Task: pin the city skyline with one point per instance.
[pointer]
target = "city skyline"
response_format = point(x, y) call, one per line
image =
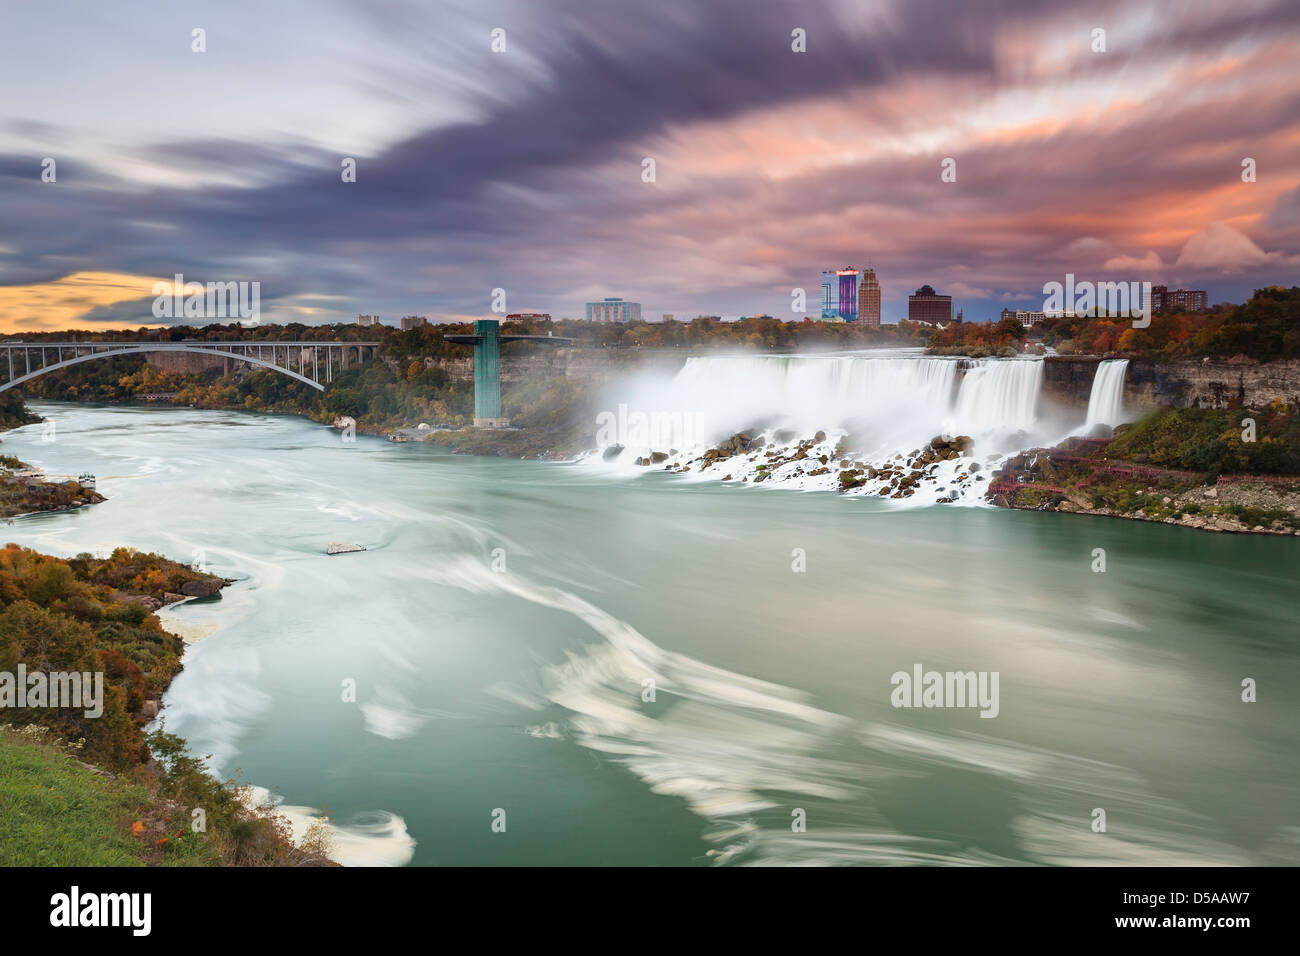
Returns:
point(525, 170)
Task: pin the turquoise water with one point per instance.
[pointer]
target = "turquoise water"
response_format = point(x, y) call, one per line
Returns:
point(509, 619)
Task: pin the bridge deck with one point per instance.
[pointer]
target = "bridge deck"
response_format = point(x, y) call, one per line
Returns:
point(298, 359)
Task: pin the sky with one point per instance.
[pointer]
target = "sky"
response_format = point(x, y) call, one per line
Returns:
point(503, 144)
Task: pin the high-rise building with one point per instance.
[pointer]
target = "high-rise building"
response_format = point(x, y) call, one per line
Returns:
point(840, 295)
point(413, 322)
point(613, 310)
point(929, 307)
point(1162, 300)
point(367, 320)
point(869, 299)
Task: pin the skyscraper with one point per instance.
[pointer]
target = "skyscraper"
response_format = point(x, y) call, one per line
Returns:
point(869, 299)
point(840, 295)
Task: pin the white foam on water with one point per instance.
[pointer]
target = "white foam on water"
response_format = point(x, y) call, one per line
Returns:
point(738, 751)
point(374, 838)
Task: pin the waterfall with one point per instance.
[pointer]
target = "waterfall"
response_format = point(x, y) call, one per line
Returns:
point(1106, 403)
point(885, 404)
point(999, 396)
point(885, 417)
point(885, 395)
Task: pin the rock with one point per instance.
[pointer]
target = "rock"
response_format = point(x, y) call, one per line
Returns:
point(345, 421)
point(204, 587)
point(612, 452)
point(658, 457)
point(149, 709)
point(643, 461)
point(170, 598)
point(819, 437)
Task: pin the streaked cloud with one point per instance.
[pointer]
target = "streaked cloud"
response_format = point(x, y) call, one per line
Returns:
point(521, 170)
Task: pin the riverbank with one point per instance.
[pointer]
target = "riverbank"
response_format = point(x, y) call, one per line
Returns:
point(84, 780)
point(1211, 470)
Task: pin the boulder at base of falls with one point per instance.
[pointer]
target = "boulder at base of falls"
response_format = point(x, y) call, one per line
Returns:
point(850, 479)
point(612, 452)
point(658, 457)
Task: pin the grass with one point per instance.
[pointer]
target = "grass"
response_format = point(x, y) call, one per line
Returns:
point(54, 812)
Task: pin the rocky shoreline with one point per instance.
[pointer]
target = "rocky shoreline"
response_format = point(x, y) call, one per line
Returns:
point(946, 466)
point(1076, 478)
point(22, 495)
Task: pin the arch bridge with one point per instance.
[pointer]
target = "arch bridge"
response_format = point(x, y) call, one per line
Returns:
point(312, 363)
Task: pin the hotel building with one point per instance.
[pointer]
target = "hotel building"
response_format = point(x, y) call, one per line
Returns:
point(613, 310)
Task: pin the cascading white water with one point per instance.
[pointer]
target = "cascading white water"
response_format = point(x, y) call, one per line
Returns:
point(999, 396)
point(885, 404)
point(1106, 403)
point(891, 399)
point(879, 419)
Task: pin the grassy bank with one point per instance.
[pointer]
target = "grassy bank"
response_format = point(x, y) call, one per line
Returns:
point(56, 812)
point(83, 783)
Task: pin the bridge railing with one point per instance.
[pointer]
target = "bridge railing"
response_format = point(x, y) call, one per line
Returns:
point(23, 361)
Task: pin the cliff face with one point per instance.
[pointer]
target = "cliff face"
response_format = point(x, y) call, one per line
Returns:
point(1205, 383)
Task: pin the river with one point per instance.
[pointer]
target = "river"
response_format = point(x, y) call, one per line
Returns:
point(560, 664)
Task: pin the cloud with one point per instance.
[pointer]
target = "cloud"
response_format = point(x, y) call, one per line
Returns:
point(522, 170)
point(1221, 248)
point(1146, 264)
point(65, 302)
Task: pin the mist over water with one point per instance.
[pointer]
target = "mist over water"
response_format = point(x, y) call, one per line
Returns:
point(525, 689)
point(873, 408)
